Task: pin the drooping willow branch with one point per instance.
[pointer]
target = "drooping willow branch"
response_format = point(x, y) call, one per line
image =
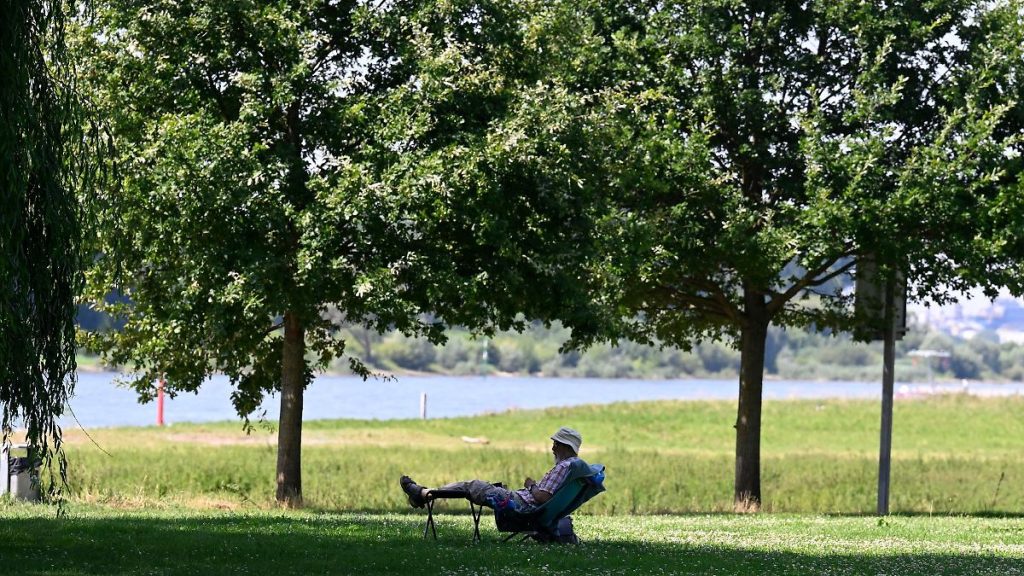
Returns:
point(46, 158)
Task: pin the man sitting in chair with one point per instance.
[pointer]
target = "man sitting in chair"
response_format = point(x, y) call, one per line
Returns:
point(565, 447)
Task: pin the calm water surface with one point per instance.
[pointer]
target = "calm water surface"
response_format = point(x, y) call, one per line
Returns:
point(99, 402)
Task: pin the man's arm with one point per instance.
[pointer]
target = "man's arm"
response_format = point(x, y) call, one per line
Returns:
point(541, 496)
point(550, 483)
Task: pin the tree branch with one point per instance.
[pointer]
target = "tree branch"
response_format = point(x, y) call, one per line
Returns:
point(717, 302)
point(273, 328)
point(701, 305)
point(810, 279)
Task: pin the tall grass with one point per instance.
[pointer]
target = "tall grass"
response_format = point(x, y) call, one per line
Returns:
point(955, 454)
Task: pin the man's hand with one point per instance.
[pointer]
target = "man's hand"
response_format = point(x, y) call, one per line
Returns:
point(528, 483)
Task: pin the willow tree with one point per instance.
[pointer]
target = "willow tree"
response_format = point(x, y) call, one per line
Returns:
point(765, 147)
point(43, 163)
point(293, 167)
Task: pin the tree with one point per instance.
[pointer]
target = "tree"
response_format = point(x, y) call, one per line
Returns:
point(44, 159)
point(765, 148)
point(292, 168)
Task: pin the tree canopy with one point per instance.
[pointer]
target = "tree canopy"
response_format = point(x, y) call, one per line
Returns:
point(289, 168)
point(765, 148)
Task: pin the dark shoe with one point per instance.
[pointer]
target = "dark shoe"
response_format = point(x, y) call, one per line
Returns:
point(414, 491)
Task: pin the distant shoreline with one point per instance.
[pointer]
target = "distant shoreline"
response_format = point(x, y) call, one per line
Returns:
point(95, 368)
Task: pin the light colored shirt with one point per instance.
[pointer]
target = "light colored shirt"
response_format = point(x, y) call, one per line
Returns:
point(551, 481)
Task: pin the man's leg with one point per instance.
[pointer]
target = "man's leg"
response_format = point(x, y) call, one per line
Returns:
point(479, 492)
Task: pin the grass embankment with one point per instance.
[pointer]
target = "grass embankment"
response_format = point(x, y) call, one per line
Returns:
point(196, 499)
point(959, 455)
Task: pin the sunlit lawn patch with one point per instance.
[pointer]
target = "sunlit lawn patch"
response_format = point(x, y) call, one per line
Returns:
point(951, 455)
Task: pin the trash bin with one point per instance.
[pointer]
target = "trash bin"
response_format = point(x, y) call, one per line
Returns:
point(21, 477)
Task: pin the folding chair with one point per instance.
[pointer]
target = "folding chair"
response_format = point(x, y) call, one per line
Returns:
point(583, 483)
point(434, 495)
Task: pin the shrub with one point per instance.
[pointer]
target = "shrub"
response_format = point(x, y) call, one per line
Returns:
point(848, 354)
point(966, 364)
point(408, 353)
point(718, 357)
point(456, 351)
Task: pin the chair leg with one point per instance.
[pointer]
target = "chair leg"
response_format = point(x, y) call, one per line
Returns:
point(476, 511)
point(429, 526)
point(522, 536)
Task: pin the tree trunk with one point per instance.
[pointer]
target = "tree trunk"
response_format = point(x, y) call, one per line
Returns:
point(747, 486)
point(289, 435)
point(367, 341)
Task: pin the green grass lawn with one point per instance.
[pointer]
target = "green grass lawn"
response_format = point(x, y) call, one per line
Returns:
point(199, 498)
point(105, 540)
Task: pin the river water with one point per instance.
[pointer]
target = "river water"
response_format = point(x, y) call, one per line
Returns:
point(99, 402)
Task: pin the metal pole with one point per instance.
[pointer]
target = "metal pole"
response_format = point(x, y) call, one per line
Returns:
point(160, 401)
point(888, 368)
point(423, 406)
point(5, 476)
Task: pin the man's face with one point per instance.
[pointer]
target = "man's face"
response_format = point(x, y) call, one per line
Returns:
point(561, 451)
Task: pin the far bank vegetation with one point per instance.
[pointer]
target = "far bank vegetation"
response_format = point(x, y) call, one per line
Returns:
point(791, 355)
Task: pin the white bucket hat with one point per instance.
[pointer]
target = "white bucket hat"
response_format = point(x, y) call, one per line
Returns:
point(569, 437)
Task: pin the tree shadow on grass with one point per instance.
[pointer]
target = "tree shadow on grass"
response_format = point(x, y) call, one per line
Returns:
point(139, 543)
